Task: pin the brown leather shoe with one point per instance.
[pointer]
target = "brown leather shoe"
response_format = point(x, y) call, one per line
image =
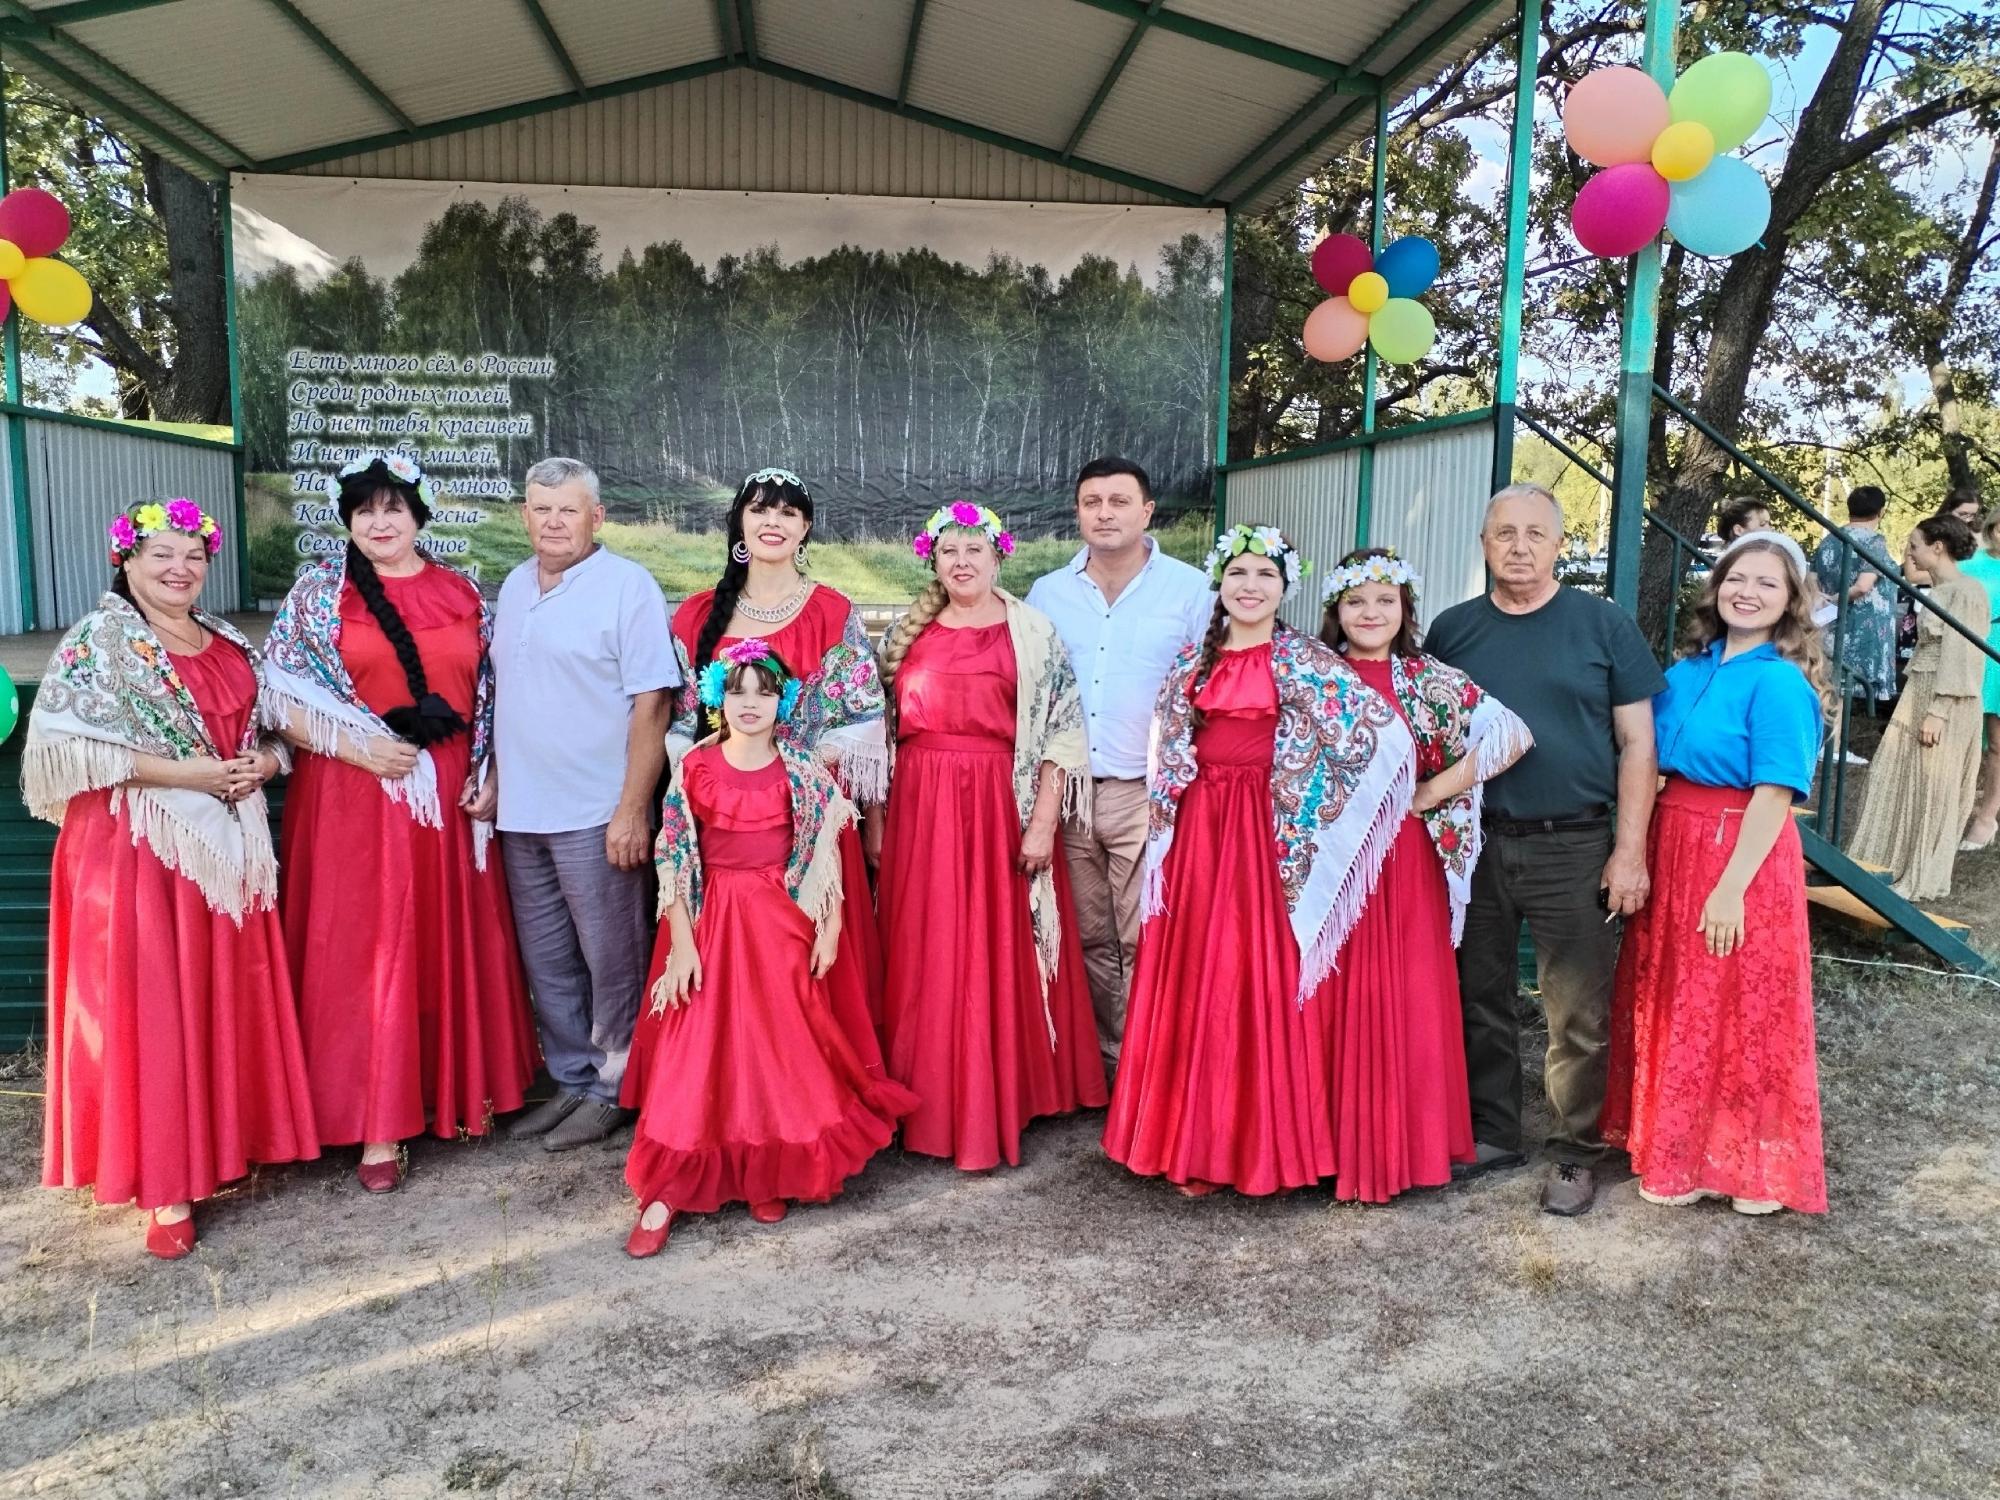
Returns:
point(1569, 1190)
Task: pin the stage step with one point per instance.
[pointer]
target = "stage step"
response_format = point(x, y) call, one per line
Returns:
point(1843, 904)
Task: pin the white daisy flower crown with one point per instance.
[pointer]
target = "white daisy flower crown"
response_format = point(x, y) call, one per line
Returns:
point(1391, 570)
point(1263, 541)
point(401, 465)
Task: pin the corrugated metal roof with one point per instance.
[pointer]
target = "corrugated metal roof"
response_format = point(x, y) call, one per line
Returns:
point(1215, 100)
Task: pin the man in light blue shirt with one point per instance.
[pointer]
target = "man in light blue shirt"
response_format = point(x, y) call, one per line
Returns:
point(1124, 609)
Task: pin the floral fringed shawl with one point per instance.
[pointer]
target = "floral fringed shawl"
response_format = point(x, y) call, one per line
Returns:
point(1341, 780)
point(1452, 717)
point(838, 716)
point(110, 693)
point(812, 870)
point(303, 671)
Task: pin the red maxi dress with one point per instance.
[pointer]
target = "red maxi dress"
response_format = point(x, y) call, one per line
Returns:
point(854, 983)
point(1402, 1112)
point(1224, 1076)
point(756, 1092)
point(410, 992)
point(964, 1016)
point(174, 1057)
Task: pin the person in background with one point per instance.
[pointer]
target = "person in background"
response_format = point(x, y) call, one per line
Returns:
point(1714, 1089)
point(1124, 610)
point(1984, 565)
point(173, 1049)
point(1962, 504)
point(1921, 790)
point(1865, 659)
point(1565, 831)
point(1740, 514)
point(583, 667)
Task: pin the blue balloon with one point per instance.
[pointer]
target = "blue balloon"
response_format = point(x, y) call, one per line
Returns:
point(1409, 265)
point(1723, 211)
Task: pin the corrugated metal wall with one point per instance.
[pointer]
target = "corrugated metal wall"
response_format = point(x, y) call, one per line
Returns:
point(79, 477)
point(26, 845)
point(1314, 502)
point(11, 621)
point(1430, 496)
point(735, 130)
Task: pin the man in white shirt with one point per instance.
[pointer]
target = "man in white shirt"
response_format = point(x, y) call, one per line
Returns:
point(583, 668)
point(1124, 609)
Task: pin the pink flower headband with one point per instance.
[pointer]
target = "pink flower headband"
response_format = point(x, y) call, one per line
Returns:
point(973, 518)
point(151, 517)
point(712, 683)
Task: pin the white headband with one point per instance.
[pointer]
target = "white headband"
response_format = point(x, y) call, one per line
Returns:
point(1776, 539)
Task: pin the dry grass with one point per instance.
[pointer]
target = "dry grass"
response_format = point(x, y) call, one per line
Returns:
point(1063, 1330)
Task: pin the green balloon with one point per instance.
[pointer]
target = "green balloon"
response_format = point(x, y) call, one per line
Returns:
point(10, 705)
point(1402, 332)
point(1729, 92)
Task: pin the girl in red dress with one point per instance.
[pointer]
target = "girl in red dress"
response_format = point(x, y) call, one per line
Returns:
point(1278, 781)
point(1401, 1111)
point(396, 917)
point(1714, 1086)
point(764, 592)
point(174, 1057)
point(756, 1094)
point(986, 1009)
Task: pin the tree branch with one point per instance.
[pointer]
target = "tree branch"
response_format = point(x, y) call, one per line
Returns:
point(1930, 112)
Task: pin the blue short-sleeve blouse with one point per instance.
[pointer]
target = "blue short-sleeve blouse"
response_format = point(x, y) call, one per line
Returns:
point(1753, 720)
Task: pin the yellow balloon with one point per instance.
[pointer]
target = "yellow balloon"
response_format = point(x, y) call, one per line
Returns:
point(11, 260)
point(1683, 150)
point(51, 291)
point(1367, 292)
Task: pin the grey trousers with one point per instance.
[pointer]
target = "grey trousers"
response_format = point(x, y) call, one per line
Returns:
point(585, 929)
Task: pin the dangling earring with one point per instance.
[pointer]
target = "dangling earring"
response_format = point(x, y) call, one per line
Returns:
point(739, 553)
point(799, 560)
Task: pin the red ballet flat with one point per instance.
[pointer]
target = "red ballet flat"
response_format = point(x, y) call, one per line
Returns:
point(770, 1211)
point(169, 1241)
point(381, 1176)
point(643, 1243)
point(1195, 1188)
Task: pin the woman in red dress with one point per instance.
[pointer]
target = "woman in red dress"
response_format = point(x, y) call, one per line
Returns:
point(402, 945)
point(174, 1058)
point(986, 1009)
point(764, 592)
point(1401, 1111)
point(756, 1094)
point(1277, 783)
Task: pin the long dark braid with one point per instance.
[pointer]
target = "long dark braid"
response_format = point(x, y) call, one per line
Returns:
point(754, 495)
point(1211, 648)
point(427, 718)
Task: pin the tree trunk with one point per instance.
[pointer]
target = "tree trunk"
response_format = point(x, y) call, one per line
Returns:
point(1937, 324)
point(196, 388)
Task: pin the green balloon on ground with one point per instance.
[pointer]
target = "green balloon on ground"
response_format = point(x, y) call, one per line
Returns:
point(1729, 92)
point(1402, 332)
point(10, 704)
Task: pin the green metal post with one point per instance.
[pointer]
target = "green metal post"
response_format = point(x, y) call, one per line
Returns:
point(1364, 507)
point(1222, 369)
point(1520, 166)
point(1635, 358)
point(17, 425)
point(223, 211)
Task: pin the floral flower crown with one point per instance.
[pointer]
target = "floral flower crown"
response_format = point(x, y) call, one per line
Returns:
point(404, 468)
point(972, 518)
point(781, 476)
point(714, 679)
point(1264, 541)
point(142, 521)
point(1390, 570)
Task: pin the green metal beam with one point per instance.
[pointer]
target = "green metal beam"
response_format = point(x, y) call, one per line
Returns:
point(1520, 168)
point(1261, 48)
point(1111, 76)
point(17, 428)
point(746, 29)
point(499, 116)
point(1222, 396)
point(1378, 220)
point(82, 90)
point(556, 48)
point(980, 133)
point(49, 17)
point(1388, 435)
point(343, 62)
point(910, 52)
point(1318, 139)
point(723, 39)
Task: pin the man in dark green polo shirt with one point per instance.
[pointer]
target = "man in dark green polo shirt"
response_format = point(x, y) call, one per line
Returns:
point(1565, 834)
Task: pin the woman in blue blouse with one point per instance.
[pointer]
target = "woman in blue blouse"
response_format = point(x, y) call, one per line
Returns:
point(1714, 1087)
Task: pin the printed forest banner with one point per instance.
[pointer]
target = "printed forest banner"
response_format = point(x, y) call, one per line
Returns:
point(896, 353)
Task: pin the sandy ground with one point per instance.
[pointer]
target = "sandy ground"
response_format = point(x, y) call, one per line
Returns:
point(1059, 1330)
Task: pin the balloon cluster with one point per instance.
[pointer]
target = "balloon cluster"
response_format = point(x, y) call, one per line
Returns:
point(1662, 157)
point(33, 226)
point(1374, 299)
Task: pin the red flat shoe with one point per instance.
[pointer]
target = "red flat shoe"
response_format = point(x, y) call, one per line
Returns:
point(643, 1243)
point(381, 1176)
point(169, 1241)
point(1195, 1188)
point(770, 1211)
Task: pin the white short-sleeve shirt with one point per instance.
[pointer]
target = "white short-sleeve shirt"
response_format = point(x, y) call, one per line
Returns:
point(566, 666)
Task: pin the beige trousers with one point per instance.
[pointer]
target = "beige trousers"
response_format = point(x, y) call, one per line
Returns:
point(1106, 864)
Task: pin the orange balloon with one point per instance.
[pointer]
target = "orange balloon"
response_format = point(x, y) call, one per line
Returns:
point(1335, 331)
point(1614, 115)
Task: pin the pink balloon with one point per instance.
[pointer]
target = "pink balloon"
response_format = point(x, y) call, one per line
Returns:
point(1337, 260)
point(1612, 116)
point(1335, 331)
point(34, 220)
point(1621, 210)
